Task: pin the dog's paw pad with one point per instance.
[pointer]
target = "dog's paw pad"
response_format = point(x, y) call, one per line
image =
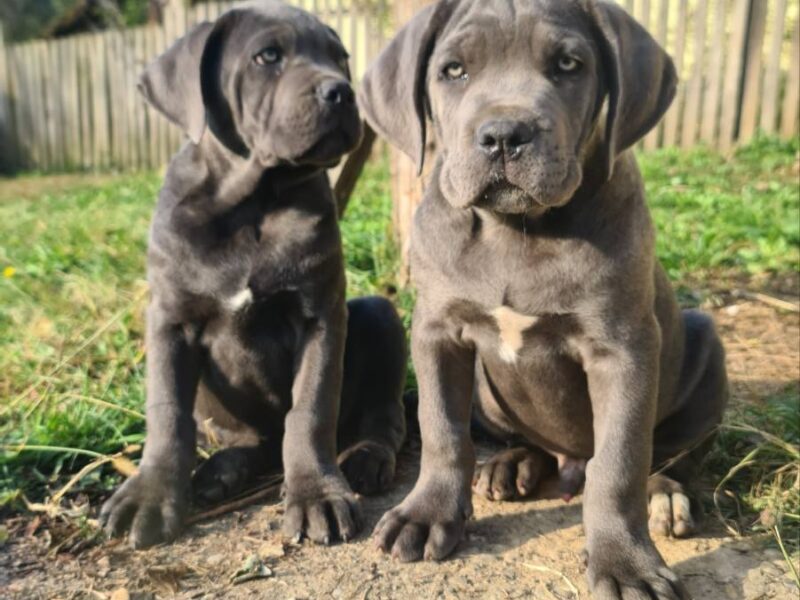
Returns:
point(508, 475)
point(671, 515)
point(368, 467)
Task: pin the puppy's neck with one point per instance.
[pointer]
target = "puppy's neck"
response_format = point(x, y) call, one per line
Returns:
point(237, 177)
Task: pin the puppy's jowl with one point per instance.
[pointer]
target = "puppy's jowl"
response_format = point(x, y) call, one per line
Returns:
point(248, 330)
point(541, 309)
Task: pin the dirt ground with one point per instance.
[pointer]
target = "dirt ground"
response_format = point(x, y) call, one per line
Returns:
point(513, 550)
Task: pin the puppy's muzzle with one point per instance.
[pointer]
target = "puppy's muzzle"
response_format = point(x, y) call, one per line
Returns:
point(505, 139)
point(336, 94)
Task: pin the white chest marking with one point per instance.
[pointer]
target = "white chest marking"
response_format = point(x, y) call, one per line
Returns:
point(511, 325)
point(240, 300)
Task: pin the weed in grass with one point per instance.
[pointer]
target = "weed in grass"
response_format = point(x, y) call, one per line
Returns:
point(757, 459)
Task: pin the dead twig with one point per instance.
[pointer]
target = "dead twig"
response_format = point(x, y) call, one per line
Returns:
point(564, 578)
point(768, 300)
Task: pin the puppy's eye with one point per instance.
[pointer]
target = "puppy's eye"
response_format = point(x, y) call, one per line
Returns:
point(567, 64)
point(455, 71)
point(268, 56)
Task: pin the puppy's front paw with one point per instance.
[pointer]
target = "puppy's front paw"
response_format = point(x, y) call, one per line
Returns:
point(152, 505)
point(631, 571)
point(368, 466)
point(509, 475)
point(428, 524)
point(669, 508)
point(322, 508)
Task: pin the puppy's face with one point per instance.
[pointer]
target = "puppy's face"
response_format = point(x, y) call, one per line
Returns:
point(524, 96)
point(514, 94)
point(286, 84)
point(267, 80)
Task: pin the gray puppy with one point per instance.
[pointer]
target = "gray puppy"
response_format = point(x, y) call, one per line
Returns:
point(247, 330)
point(542, 311)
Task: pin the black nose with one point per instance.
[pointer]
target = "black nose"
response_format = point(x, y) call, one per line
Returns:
point(504, 138)
point(335, 92)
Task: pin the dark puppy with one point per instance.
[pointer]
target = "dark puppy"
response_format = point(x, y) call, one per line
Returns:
point(541, 307)
point(248, 327)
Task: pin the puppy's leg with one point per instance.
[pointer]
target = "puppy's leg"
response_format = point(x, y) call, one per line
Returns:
point(318, 501)
point(430, 522)
point(153, 502)
point(512, 474)
point(373, 426)
point(682, 440)
point(622, 373)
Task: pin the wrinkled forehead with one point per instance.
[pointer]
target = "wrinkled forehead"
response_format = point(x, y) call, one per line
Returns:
point(264, 22)
point(503, 23)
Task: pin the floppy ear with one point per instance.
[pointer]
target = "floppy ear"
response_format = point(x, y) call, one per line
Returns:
point(392, 96)
point(171, 83)
point(641, 78)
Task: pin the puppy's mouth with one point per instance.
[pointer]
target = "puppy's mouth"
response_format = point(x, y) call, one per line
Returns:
point(529, 193)
point(505, 198)
point(341, 136)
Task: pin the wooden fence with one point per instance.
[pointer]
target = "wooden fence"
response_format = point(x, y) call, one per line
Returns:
point(72, 103)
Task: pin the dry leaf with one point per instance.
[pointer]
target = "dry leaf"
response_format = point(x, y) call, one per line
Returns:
point(124, 466)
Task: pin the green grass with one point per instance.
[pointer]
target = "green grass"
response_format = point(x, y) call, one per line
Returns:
point(72, 295)
point(719, 219)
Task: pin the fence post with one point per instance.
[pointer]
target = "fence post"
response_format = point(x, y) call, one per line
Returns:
point(734, 74)
point(751, 76)
point(790, 110)
point(8, 136)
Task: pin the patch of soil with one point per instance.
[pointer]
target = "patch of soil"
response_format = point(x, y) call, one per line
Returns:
point(513, 550)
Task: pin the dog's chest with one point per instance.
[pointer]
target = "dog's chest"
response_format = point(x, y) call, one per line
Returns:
point(276, 252)
point(508, 335)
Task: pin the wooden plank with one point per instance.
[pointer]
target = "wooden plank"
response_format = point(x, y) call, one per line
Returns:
point(28, 67)
point(672, 119)
point(39, 100)
point(126, 80)
point(163, 125)
point(712, 93)
point(85, 91)
point(118, 74)
point(20, 75)
point(153, 153)
point(791, 101)
point(753, 72)
point(652, 139)
point(732, 87)
point(644, 14)
point(69, 70)
point(8, 137)
point(100, 116)
point(770, 99)
point(132, 71)
point(174, 26)
point(339, 15)
point(55, 94)
point(40, 116)
point(139, 60)
point(354, 42)
point(694, 87)
point(362, 55)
